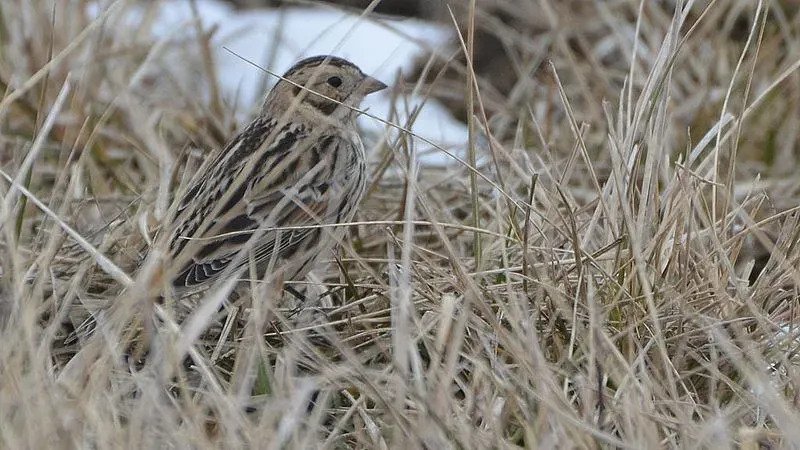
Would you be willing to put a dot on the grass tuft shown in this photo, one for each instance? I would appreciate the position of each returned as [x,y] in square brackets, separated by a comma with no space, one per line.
[614,262]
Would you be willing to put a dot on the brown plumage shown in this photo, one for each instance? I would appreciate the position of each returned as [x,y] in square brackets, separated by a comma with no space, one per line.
[298,165]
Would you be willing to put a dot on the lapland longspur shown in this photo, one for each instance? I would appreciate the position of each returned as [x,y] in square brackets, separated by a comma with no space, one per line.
[269,194]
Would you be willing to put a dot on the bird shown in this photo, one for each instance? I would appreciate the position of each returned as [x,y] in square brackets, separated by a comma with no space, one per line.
[275,192]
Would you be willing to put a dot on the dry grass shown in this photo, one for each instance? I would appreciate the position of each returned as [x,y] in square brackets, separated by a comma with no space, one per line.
[599,279]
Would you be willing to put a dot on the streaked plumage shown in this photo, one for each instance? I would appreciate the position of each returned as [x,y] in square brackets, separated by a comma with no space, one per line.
[299,163]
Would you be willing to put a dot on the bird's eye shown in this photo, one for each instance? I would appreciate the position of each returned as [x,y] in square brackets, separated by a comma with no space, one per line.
[335,81]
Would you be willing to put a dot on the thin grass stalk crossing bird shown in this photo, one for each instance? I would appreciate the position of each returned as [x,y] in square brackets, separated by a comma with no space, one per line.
[273,192]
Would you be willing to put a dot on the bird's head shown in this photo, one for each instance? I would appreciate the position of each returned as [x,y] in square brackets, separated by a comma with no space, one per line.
[337,80]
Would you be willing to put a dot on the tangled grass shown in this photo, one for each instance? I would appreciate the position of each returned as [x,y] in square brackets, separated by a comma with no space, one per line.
[613,262]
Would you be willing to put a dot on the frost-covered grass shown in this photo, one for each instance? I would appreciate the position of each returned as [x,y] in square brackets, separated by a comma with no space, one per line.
[618,269]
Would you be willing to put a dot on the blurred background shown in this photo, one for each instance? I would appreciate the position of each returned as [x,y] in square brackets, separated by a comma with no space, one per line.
[598,199]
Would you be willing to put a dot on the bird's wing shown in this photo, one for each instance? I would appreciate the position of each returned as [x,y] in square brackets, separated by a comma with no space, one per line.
[286,190]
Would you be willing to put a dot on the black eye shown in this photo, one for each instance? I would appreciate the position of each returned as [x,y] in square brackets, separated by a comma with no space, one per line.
[335,81]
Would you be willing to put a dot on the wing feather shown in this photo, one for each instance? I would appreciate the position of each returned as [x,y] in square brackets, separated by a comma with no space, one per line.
[288,187]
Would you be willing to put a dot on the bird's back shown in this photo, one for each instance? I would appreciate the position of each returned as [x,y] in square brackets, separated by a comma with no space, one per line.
[268,196]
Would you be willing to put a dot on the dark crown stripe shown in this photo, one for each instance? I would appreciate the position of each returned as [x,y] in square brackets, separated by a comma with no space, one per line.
[315,61]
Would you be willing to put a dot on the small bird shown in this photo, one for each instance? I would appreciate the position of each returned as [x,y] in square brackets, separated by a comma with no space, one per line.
[268,195]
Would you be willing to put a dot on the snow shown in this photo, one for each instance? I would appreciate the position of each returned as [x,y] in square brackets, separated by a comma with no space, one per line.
[380,47]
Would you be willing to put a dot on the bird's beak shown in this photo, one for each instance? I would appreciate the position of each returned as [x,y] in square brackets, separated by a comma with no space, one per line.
[370,85]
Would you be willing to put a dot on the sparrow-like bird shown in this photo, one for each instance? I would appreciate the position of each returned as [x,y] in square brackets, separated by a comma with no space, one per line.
[273,195]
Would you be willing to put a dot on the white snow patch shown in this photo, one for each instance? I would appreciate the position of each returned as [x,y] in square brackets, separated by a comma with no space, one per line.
[380,48]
